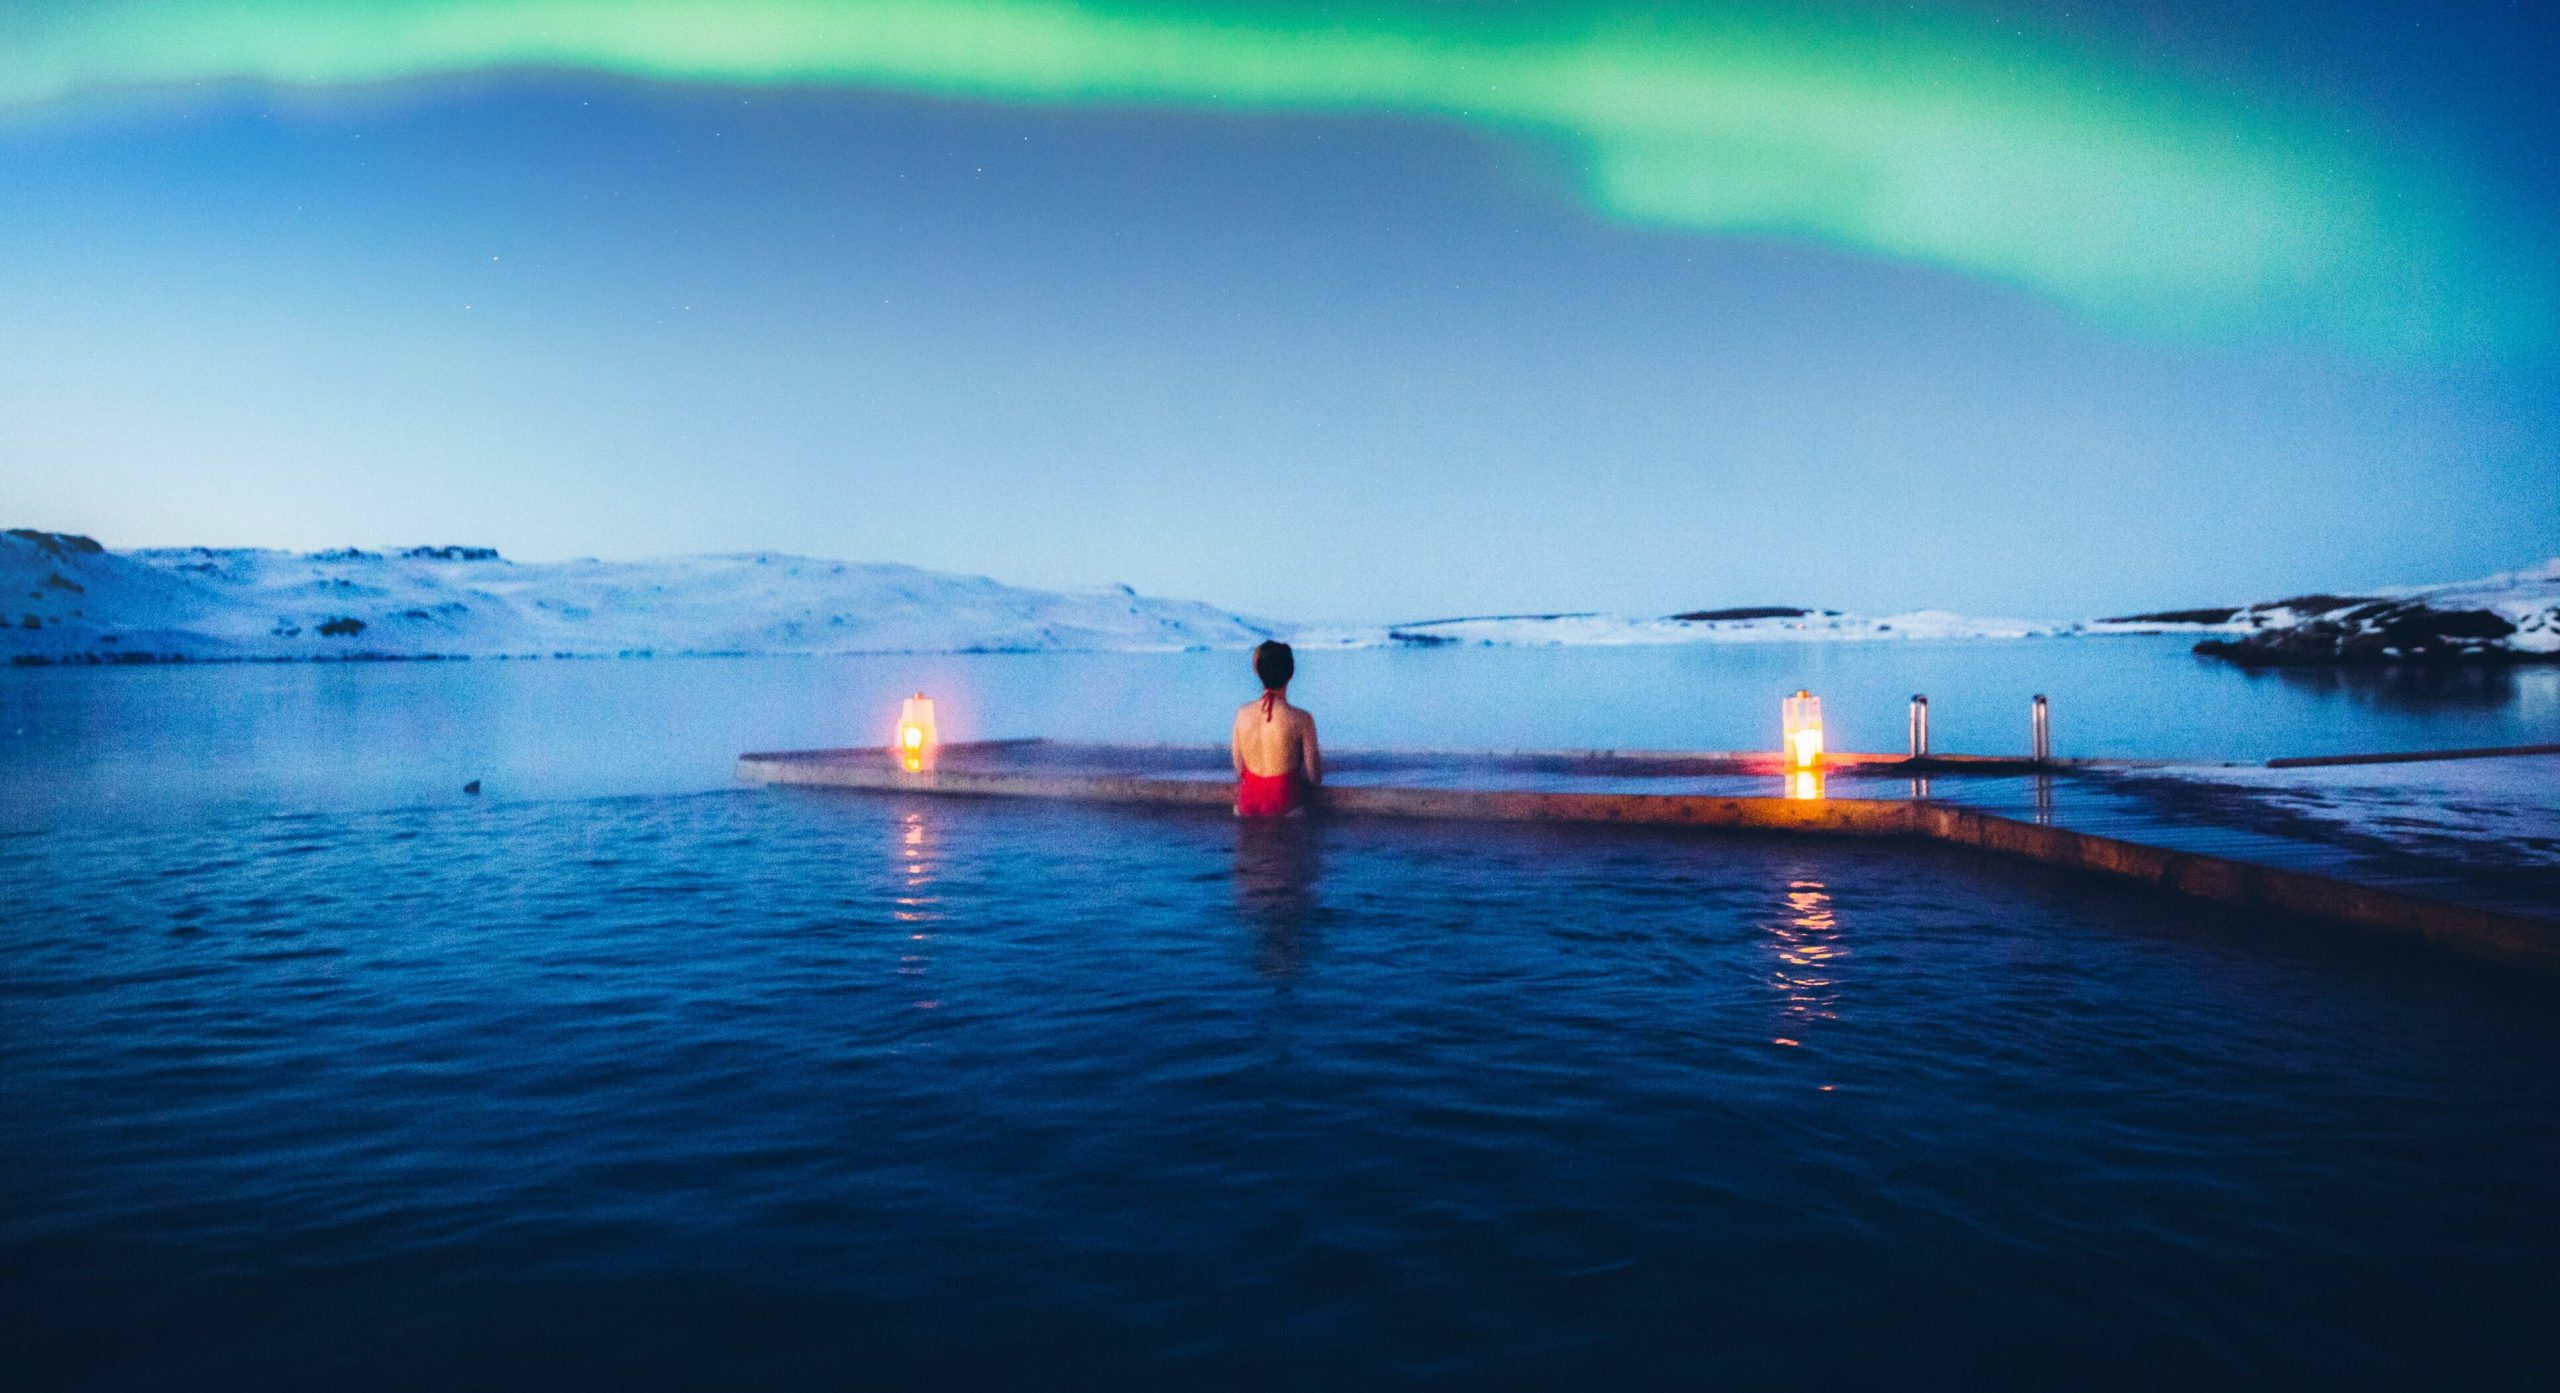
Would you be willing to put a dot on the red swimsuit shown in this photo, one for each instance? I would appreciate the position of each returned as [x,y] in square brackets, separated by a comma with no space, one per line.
[1267,795]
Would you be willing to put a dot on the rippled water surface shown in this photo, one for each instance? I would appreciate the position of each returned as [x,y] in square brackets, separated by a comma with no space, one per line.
[780,1089]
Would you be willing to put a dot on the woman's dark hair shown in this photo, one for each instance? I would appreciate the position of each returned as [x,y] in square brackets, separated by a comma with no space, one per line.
[1274,664]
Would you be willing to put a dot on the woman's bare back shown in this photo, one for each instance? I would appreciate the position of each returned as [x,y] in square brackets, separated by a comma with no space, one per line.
[1281,740]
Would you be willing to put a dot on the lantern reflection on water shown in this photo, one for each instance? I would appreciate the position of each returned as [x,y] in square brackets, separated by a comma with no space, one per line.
[1803,748]
[915,740]
[1805,784]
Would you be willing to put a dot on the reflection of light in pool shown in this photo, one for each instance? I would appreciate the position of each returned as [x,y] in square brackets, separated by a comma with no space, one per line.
[916,907]
[1805,785]
[1806,943]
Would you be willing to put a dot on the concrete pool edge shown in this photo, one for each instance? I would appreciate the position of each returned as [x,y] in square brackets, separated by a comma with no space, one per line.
[2464,929]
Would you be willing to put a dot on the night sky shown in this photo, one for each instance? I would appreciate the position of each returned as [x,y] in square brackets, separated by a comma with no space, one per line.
[1319,311]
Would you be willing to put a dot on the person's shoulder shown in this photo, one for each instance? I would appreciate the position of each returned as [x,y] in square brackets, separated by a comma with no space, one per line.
[1305,717]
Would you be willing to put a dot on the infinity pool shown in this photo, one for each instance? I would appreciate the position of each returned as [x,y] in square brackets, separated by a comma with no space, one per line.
[777,1089]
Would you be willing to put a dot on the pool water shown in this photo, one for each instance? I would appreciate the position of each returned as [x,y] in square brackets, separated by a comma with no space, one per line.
[783,1089]
[176,744]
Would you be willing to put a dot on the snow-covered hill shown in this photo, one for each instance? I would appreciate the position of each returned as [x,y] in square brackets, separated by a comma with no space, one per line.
[2513,616]
[66,598]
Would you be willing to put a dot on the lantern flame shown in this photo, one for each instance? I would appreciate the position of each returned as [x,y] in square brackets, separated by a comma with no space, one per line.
[1802,717]
[915,740]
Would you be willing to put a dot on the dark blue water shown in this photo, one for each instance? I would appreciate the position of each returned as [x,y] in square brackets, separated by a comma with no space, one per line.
[316,1073]
[790,1089]
[170,744]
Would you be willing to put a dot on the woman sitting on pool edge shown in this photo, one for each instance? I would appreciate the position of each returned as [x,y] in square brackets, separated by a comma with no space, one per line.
[1275,743]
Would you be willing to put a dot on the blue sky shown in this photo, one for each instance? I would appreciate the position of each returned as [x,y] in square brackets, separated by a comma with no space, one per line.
[1347,364]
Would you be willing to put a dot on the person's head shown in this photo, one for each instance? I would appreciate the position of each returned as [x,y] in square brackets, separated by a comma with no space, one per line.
[1274,664]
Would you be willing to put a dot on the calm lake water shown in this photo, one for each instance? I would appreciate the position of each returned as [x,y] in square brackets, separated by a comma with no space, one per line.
[179,743]
[316,1074]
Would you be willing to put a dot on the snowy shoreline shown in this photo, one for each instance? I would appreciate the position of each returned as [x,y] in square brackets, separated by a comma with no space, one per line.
[73,601]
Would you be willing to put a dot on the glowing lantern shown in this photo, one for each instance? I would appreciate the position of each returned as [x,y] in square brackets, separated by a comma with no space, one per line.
[1803,748]
[915,739]
[1805,785]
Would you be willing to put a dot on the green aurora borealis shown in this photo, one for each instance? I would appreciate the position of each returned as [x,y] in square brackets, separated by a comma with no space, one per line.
[2149,203]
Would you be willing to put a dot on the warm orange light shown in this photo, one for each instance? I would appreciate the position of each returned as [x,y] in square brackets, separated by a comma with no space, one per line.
[1802,715]
[915,741]
[1805,784]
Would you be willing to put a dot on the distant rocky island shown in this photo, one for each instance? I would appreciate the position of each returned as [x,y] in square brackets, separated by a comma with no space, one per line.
[2513,617]
[68,599]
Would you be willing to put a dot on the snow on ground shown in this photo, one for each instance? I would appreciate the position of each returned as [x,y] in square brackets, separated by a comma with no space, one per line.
[1556,630]
[2528,599]
[2505,810]
[67,598]
[2104,627]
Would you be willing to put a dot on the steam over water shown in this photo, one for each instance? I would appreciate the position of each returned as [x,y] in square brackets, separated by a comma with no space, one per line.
[175,743]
